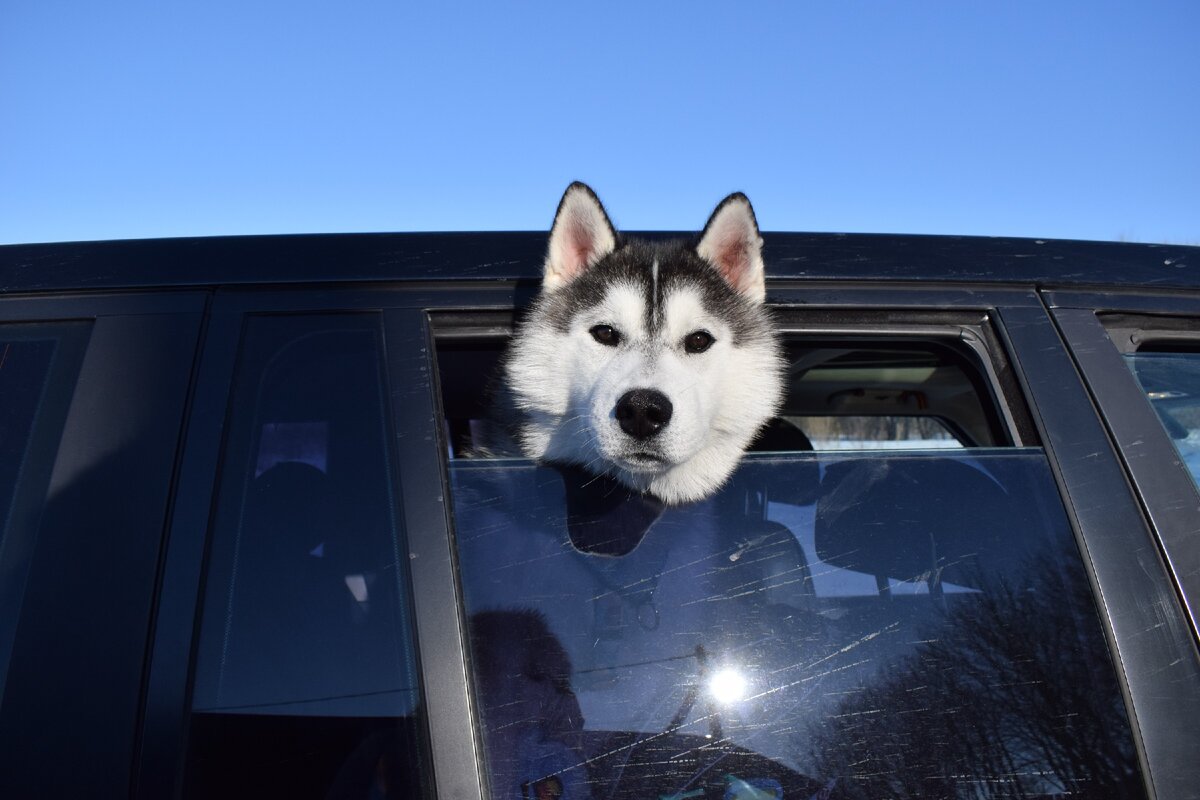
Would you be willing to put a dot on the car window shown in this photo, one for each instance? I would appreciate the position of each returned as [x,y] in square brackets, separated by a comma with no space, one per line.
[886,600]
[306,682]
[1171,380]
[880,625]
[39,365]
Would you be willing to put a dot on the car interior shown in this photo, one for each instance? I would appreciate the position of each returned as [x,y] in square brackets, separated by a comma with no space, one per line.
[841,394]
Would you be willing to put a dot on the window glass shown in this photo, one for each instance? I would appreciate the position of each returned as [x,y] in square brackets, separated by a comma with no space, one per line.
[39,365]
[24,368]
[1172,382]
[913,624]
[306,682]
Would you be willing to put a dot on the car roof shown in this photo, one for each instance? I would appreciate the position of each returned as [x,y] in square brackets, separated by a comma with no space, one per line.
[517,256]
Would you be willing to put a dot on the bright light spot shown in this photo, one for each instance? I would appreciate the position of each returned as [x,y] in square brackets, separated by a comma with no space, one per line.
[727,686]
[357,584]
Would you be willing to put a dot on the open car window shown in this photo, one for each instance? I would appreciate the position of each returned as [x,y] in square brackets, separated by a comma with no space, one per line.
[885,600]
[841,394]
[869,395]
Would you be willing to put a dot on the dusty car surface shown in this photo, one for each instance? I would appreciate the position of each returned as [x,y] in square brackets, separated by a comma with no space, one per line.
[246,550]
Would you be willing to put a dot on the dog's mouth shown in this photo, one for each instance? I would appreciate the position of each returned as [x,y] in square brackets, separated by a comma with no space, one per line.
[644,462]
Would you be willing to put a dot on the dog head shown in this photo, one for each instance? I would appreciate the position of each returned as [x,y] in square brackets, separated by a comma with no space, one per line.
[655,363]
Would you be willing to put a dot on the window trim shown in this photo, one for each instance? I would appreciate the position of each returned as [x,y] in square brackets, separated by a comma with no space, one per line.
[1100,341]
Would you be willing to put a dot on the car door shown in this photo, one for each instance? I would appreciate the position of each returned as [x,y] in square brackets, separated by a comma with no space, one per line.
[598,623]
[323,508]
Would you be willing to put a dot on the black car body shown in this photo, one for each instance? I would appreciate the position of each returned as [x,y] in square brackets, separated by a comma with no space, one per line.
[150,388]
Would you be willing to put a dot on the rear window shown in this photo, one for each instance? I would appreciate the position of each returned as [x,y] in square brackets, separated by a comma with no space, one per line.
[1171,381]
[1163,353]
[886,600]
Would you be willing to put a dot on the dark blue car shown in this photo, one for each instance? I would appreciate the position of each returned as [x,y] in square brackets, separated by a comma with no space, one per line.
[244,552]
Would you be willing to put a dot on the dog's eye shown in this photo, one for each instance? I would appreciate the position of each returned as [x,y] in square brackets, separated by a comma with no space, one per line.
[606,335]
[698,341]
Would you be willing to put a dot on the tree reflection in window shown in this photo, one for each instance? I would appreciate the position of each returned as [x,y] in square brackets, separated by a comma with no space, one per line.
[997,700]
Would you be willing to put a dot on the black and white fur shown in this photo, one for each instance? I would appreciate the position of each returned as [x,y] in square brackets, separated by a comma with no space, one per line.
[654,363]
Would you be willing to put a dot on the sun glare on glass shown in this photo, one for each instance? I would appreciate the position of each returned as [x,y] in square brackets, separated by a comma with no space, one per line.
[727,686]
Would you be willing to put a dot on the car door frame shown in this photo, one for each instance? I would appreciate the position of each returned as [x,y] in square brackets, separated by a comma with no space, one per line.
[1166,489]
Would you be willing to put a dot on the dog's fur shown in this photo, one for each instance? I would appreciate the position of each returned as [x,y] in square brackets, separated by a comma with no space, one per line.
[654,363]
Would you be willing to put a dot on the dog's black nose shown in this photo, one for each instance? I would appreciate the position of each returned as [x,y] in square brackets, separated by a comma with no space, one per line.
[643,412]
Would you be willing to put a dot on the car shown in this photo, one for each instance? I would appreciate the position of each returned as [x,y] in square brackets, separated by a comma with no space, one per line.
[249,550]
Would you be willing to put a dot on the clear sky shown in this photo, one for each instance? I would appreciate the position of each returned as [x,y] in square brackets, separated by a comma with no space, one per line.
[181,117]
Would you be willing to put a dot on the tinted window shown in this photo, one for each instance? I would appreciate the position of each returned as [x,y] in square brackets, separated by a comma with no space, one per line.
[306,684]
[39,365]
[1172,382]
[892,625]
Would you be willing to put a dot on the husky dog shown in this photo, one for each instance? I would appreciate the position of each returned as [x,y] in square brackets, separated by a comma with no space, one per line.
[653,363]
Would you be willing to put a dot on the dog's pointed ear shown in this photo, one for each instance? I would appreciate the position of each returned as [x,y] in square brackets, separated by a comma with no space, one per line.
[582,234]
[732,244]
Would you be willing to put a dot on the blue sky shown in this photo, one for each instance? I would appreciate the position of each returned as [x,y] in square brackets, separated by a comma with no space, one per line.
[172,118]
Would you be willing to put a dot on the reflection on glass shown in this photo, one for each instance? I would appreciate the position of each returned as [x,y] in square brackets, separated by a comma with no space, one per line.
[1172,382]
[728,686]
[899,625]
[38,368]
[24,368]
[306,683]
